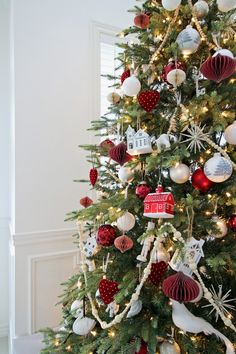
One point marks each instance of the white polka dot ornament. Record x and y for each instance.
(148, 99)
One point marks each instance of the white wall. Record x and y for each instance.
(54, 102)
(4, 162)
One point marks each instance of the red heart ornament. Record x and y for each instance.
(148, 99)
(157, 271)
(108, 289)
(93, 176)
(119, 154)
(124, 76)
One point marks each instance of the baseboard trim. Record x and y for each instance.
(29, 238)
(4, 331)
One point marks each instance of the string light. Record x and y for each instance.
(57, 343)
(228, 194)
(209, 196)
(112, 334)
(69, 348)
(201, 160)
(208, 212)
(205, 109)
(94, 333)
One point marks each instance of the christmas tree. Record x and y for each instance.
(158, 247)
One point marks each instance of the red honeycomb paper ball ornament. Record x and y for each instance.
(142, 21)
(148, 99)
(125, 76)
(180, 287)
(143, 349)
(93, 176)
(232, 222)
(200, 181)
(123, 243)
(119, 154)
(86, 202)
(142, 190)
(106, 235)
(108, 289)
(157, 271)
(218, 68)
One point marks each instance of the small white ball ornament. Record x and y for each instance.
(225, 52)
(180, 173)
(176, 77)
(230, 134)
(218, 169)
(226, 5)
(201, 8)
(126, 222)
(131, 86)
(188, 40)
(125, 174)
(221, 226)
(170, 5)
(169, 348)
(113, 97)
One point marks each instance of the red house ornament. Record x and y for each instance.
(159, 204)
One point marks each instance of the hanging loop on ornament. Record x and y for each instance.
(105, 263)
(126, 191)
(178, 97)
(216, 39)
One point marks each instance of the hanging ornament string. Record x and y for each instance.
(216, 39)
(158, 51)
(199, 28)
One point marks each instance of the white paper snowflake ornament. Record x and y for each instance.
(139, 142)
(193, 249)
(218, 169)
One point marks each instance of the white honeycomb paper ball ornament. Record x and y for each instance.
(113, 97)
(222, 227)
(226, 5)
(201, 8)
(180, 173)
(125, 174)
(200, 295)
(77, 309)
(169, 348)
(224, 52)
(82, 326)
(131, 86)
(126, 222)
(218, 169)
(176, 77)
(170, 5)
(230, 133)
(188, 40)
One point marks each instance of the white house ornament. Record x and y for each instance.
(90, 246)
(131, 86)
(169, 348)
(179, 173)
(82, 326)
(201, 8)
(230, 134)
(176, 77)
(226, 5)
(193, 250)
(125, 174)
(188, 40)
(138, 143)
(170, 5)
(187, 322)
(218, 169)
(135, 308)
(126, 222)
(159, 204)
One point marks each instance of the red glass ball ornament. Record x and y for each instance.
(123, 243)
(86, 202)
(125, 76)
(143, 349)
(108, 289)
(106, 235)
(142, 190)
(171, 66)
(142, 21)
(232, 222)
(106, 144)
(218, 68)
(93, 176)
(200, 181)
(119, 154)
(180, 287)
